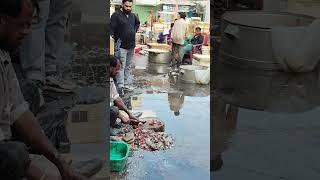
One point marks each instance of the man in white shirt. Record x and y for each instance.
(179, 32)
(116, 103)
(15, 21)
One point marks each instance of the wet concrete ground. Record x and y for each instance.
(188, 158)
(272, 130)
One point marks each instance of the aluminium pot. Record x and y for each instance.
(188, 73)
(269, 91)
(156, 68)
(246, 37)
(192, 90)
(159, 56)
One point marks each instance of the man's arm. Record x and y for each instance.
(27, 126)
(201, 39)
(36, 173)
(120, 104)
(113, 24)
(30, 129)
(193, 40)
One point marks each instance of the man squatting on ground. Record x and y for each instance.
(15, 118)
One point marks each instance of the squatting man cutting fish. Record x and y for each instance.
(116, 102)
(15, 164)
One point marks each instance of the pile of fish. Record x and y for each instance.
(155, 122)
(148, 135)
(126, 129)
(150, 140)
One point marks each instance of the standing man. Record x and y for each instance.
(179, 32)
(124, 26)
(15, 164)
(39, 51)
(150, 19)
(117, 43)
(160, 20)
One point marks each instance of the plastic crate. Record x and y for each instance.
(119, 152)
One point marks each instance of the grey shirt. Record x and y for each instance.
(12, 103)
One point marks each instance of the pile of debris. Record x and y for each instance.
(148, 135)
(150, 140)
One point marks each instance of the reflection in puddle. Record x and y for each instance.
(224, 122)
(269, 91)
(184, 109)
(176, 100)
(264, 124)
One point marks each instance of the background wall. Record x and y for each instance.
(143, 12)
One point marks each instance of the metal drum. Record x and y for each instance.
(246, 37)
(156, 68)
(159, 56)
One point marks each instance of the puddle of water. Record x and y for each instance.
(188, 158)
(270, 133)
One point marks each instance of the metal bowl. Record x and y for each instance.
(155, 68)
(247, 39)
(188, 73)
(159, 56)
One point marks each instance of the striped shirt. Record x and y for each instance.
(12, 103)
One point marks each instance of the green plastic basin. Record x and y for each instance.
(119, 152)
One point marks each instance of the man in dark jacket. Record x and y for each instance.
(124, 26)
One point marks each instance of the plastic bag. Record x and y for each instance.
(202, 76)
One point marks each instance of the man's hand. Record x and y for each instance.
(66, 172)
(133, 120)
(28, 127)
(129, 120)
(131, 116)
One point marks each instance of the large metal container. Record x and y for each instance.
(159, 56)
(270, 91)
(192, 90)
(246, 36)
(155, 68)
(188, 73)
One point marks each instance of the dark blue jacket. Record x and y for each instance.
(124, 28)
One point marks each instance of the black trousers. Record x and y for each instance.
(114, 113)
(14, 160)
